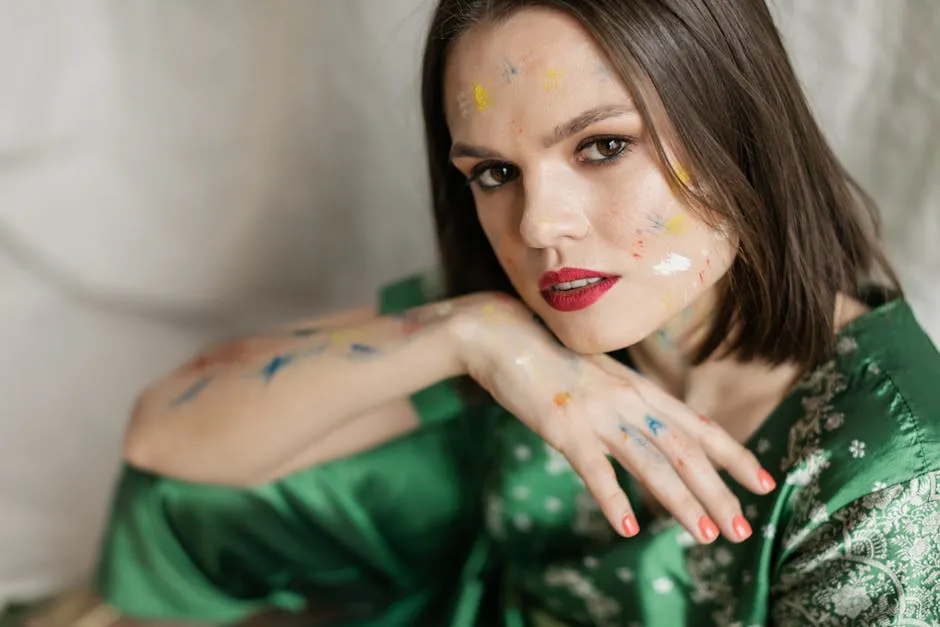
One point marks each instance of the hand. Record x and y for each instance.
(591, 407)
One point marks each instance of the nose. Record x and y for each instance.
(555, 209)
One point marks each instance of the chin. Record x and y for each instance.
(587, 341)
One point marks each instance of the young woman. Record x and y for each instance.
(640, 226)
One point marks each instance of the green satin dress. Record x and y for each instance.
(472, 521)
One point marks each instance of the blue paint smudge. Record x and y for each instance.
(654, 425)
(633, 434)
(277, 363)
(315, 350)
(192, 391)
(362, 349)
(304, 332)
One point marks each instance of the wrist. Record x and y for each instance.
(482, 327)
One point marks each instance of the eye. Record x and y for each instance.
(603, 149)
(493, 175)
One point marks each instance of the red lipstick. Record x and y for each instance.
(572, 289)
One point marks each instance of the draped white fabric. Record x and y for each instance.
(175, 171)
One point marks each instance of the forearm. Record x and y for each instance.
(236, 414)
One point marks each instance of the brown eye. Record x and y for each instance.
(609, 147)
(495, 175)
(604, 149)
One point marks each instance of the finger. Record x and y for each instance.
(738, 460)
(648, 464)
(592, 465)
(718, 444)
(696, 470)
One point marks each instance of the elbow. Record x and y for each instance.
(152, 443)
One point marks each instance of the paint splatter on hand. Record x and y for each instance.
(562, 399)
(655, 425)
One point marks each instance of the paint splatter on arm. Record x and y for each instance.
(192, 391)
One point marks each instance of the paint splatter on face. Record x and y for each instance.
(668, 302)
(465, 103)
(582, 200)
(480, 98)
(552, 80)
(673, 263)
(665, 226)
(509, 72)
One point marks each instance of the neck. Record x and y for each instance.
(738, 395)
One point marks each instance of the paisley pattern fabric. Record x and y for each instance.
(474, 521)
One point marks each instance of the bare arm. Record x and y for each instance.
(258, 408)
(261, 407)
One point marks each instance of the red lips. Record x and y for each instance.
(579, 297)
(566, 275)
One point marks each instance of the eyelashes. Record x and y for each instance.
(595, 151)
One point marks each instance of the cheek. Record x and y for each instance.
(499, 234)
(681, 257)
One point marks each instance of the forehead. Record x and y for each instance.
(536, 56)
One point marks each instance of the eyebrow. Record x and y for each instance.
(561, 133)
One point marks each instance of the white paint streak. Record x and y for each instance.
(672, 264)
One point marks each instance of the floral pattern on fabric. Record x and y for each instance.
(874, 562)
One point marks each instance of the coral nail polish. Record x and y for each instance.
(741, 527)
(630, 526)
(707, 528)
(766, 481)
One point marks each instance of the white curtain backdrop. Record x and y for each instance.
(173, 171)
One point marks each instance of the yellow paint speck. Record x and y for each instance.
(480, 97)
(346, 337)
(553, 79)
(675, 225)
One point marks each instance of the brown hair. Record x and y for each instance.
(720, 74)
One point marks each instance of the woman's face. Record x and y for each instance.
(568, 187)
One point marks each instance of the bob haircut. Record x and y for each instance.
(713, 77)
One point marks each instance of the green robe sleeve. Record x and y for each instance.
(875, 561)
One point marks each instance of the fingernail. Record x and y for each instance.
(741, 527)
(766, 481)
(707, 528)
(630, 526)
